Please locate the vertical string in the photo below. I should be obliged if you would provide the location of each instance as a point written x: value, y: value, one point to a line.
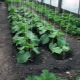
x: 41, y: 14
x: 50, y: 6
x: 11, y: 3
x: 67, y: 26
x: 31, y: 23
x: 62, y: 15
x: 35, y: 4
x: 79, y: 9
x: 54, y: 15
x: 20, y: 3
x: 45, y: 11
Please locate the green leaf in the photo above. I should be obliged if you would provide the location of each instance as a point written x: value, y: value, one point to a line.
x: 30, y: 78
x: 66, y: 48
x: 42, y: 31
x: 63, y: 44
x: 39, y: 24
x: 15, y: 29
x: 46, y: 75
x: 41, y: 28
x: 61, y: 41
x: 30, y: 35
x: 78, y: 78
x: 21, y: 48
x: 38, y: 78
x: 57, y: 50
x: 23, y: 56
x: 53, y: 34
x: 51, y: 45
x: 49, y: 27
x: 35, y: 42
x: 36, y: 50
x: 19, y: 40
x: 60, y: 33
x: 30, y: 45
x: 34, y: 39
x: 44, y: 38
x: 78, y: 30
x: 54, y: 48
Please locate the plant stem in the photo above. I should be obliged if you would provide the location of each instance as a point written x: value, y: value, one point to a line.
x: 63, y: 55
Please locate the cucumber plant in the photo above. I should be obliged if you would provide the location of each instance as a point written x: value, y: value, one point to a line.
x: 30, y: 31
x: 68, y: 22
x: 24, y: 38
x: 16, y: 1
x: 45, y: 75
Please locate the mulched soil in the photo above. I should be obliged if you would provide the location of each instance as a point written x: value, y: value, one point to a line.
x: 10, y: 70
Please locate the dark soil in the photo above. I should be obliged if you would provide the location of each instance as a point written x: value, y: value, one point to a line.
x: 10, y: 70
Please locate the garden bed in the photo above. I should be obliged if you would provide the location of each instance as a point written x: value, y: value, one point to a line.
x: 10, y: 70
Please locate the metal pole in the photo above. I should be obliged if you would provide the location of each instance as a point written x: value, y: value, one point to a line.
x: 59, y: 6
x: 50, y: 2
x: 79, y: 9
x: 41, y: 1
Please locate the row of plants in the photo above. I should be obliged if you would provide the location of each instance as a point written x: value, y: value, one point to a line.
x: 12, y: 1
x: 25, y: 39
x: 68, y: 22
x: 30, y: 32
x: 46, y: 75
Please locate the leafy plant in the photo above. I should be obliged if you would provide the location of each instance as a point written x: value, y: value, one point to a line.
x: 68, y: 22
x: 23, y: 23
x: 24, y: 38
x: 16, y: 1
x: 46, y: 75
x: 78, y: 78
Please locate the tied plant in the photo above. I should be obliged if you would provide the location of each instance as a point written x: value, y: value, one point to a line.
x: 68, y: 22
x: 30, y: 31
